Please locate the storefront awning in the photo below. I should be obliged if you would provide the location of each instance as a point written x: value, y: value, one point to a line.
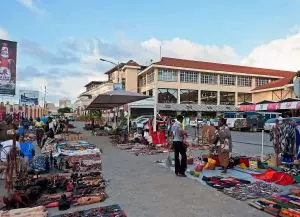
x: 282, y: 105
x: 116, y: 98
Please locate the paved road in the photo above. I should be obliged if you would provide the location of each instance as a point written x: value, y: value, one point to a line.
x: 246, y: 143
x: 143, y: 188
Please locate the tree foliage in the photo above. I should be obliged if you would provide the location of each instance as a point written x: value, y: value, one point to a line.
x: 64, y: 110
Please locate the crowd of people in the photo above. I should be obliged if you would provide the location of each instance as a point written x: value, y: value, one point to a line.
x: 45, y: 127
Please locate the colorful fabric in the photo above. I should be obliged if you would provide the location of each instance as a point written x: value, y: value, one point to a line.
x: 274, y: 176
x: 40, y: 163
x: 27, y: 149
x: 107, y: 211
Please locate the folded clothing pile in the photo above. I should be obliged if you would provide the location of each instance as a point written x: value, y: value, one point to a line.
x: 39, y: 211
x: 220, y: 182
x: 251, y: 191
x: 279, y: 178
x: 107, y: 211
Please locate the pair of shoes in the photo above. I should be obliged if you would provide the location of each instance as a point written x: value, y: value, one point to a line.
x: 224, y: 171
x: 181, y: 175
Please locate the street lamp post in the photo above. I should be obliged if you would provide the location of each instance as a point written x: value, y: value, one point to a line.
x: 118, y: 68
x: 116, y: 64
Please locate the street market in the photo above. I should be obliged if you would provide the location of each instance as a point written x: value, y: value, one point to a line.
x: 124, y: 109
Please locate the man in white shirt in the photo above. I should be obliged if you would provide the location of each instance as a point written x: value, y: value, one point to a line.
x: 179, y: 147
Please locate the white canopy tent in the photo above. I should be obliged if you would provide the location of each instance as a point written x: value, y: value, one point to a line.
x: 145, y: 103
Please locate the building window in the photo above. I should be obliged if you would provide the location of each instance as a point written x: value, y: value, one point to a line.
x: 209, y: 97
x: 150, y: 77
x: 123, y: 83
x: 227, y: 80
x: 189, y: 77
x: 227, y: 98
x: 188, y: 96
x: 150, y: 92
x: 244, y: 97
x: 207, y: 78
x: 166, y: 95
x: 244, y: 81
x: 142, y: 81
x: 167, y: 75
x: 261, y: 81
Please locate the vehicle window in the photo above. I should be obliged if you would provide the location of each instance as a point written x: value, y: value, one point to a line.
x: 271, y: 121
x: 273, y: 116
x: 267, y: 116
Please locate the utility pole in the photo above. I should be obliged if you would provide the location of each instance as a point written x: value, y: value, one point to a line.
x: 45, y: 96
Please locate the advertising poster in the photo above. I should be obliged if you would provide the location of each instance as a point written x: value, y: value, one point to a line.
x: 297, y: 87
x: 29, y: 97
x: 118, y: 86
x: 8, y: 60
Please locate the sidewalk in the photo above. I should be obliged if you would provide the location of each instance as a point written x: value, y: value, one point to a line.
x: 143, y: 188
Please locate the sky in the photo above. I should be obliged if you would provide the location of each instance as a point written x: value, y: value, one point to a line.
x: 60, y: 41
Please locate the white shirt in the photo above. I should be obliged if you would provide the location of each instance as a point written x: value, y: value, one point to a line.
x: 6, y: 146
x: 51, y: 125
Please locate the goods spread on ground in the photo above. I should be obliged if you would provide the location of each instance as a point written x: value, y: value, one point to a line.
x: 106, y: 211
x: 67, y: 173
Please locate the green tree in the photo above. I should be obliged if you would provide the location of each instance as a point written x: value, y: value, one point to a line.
x: 64, y: 110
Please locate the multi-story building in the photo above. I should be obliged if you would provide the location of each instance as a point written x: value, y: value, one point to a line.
x: 196, y: 86
x: 93, y: 89
x: 126, y: 74
x: 64, y: 103
x: 51, y: 108
x: 123, y: 73
x: 281, y: 89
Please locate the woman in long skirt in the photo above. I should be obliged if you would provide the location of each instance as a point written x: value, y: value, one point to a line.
x: 39, y: 131
x: 224, y: 144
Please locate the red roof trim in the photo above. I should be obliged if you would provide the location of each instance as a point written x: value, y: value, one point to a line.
x: 132, y: 63
x: 167, y: 61
x: 274, y: 84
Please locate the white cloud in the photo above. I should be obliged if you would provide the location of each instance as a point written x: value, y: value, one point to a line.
x: 31, y: 5
x: 186, y: 49
x: 3, y: 34
x: 278, y: 54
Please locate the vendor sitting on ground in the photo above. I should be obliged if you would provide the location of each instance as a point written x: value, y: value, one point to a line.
x: 223, y: 142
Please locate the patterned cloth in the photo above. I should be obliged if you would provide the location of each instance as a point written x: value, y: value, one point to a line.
x: 283, y: 138
x: 40, y: 163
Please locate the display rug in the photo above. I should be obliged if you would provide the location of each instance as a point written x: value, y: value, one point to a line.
x: 244, y: 175
x: 106, y: 211
x: 279, y: 205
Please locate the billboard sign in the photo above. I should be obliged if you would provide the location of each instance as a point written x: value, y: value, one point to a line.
x: 8, y: 60
x: 297, y: 86
x: 118, y: 86
x: 29, y: 97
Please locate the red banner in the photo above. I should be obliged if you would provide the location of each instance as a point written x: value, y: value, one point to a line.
x: 247, y: 108
x: 8, y: 60
x: 273, y: 106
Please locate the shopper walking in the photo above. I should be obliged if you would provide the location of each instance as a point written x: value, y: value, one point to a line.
x: 39, y: 125
x: 179, y: 147
x: 93, y: 125
x: 224, y: 144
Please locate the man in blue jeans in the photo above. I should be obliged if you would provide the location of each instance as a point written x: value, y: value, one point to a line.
x: 179, y: 147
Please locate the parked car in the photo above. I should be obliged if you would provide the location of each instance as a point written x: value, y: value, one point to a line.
x: 252, y: 123
x: 141, y: 122
x: 214, y: 122
x: 231, y: 122
x: 270, y: 124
